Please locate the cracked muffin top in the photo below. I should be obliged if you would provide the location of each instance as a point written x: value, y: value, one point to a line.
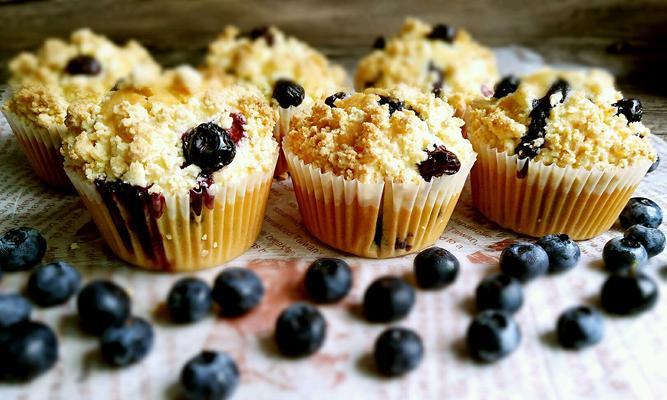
x: 567, y: 118
x: 170, y: 137
x: 437, y: 59
x: 265, y: 55
x: 401, y: 135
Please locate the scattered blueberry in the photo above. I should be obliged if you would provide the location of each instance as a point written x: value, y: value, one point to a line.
x: 328, y: 280
x: 102, y: 304
x: 507, y: 85
x: 439, y: 161
x: 398, y: 351
x: 380, y: 43
x: 53, y: 284
x: 524, y: 261
x: 492, y: 335
x: 579, y: 327
x: 499, y: 292
x: 21, y: 249
x: 631, y: 108
x: 435, y: 268
x: 442, y: 32
x: 652, y: 239
x: 208, y: 146
x: 300, y: 330
x: 288, y: 93
x: 126, y: 343
x: 563, y: 252
x: 331, y: 100
x: 388, y: 299
x: 621, y: 253
x: 189, y: 300
x: 654, y: 166
x: 642, y: 211
x: 14, y: 308
x: 237, y: 291
x: 27, y: 349
x: 83, y: 65
x: 210, y: 376
x: 628, y: 293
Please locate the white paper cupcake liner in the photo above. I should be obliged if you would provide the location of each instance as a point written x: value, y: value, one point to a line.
x: 535, y: 199
x: 180, y: 233
x: 375, y: 220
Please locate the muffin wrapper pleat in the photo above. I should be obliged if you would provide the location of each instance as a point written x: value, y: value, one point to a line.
x: 537, y: 199
x: 42, y: 149
x: 188, y: 234
x: 375, y: 220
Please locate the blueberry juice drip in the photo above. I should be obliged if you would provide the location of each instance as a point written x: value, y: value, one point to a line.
x: 140, y: 212
x: 200, y: 196
x: 533, y: 140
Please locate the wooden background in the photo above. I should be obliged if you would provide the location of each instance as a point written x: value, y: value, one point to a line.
x: 628, y: 37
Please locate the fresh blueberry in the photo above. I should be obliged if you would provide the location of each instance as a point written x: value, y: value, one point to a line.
x: 14, y: 308
x: 288, y: 93
x: 492, y: 335
x: 442, y: 32
x: 21, y: 249
x: 328, y: 280
x: 83, y: 65
x: 387, y: 299
x: 102, y: 304
x: 652, y: 239
x: 27, y: 349
x: 621, y: 253
x: 398, y: 351
x: 126, y: 343
x: 524, y: 261
x: 563, y: 252
x: 53, y: 284
x: 579, y: 327
x: 331, y: 100
x: 208, y: 146
x: 642, y: 211
x: 499, y: 292
x: 654, y: 166
x: 189, y: 300
x: 300, y: 330
x: 237, y: 291
x: 210, y: 376
x: 435, y: 268
x: 507, y: 85
x: 628, y: 293
x: 631, y: 108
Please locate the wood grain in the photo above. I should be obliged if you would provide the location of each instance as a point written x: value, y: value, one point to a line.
x: 627, y: 37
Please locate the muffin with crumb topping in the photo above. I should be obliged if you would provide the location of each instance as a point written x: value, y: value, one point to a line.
x: 378, y: 173
x: 44, y: 83
x: 176, y: 174
x: 559, y: 152
x: 438, y: 59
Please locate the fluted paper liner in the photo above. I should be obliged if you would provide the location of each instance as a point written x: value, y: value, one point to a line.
x: 42, y: 148
x: 375, y: 220
x: 190, y: 241
x: 281, y: 129
x: 535, y: 199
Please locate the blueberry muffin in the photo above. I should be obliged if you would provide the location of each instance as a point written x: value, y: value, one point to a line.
x: 175, y: 175
x: 437, y: 59
x: 559, y: 152
x: 378, y: 173
x: 44, y: 83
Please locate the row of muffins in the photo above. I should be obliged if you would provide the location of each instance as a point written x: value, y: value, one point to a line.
x: 175, y: 166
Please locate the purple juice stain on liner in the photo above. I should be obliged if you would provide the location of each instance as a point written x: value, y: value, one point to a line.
x: 200, y: 196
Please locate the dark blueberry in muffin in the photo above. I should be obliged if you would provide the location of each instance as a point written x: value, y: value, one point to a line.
x: 393, y: 104
x: 442, y: 32
x: 288, y: 93
x: 643, y: 211
x: 579, y: 327
x: 507, y: 85
x: 380, y: 43
x: 629, y: 293
x: 237, y: 132
x: 53, y: 284
x: 331, y: 100
x: 300, y: 330
x: 262, y: 32
x: 27, y: 349
x: 209, y: 147
x: 398, y: 351
x: 210, y: 375
x: 630, y: 108
x: 127, y: 343
x: 21, y: 249
x: 83, y: 65
x: 439, y: 161
x: 652, y: 239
